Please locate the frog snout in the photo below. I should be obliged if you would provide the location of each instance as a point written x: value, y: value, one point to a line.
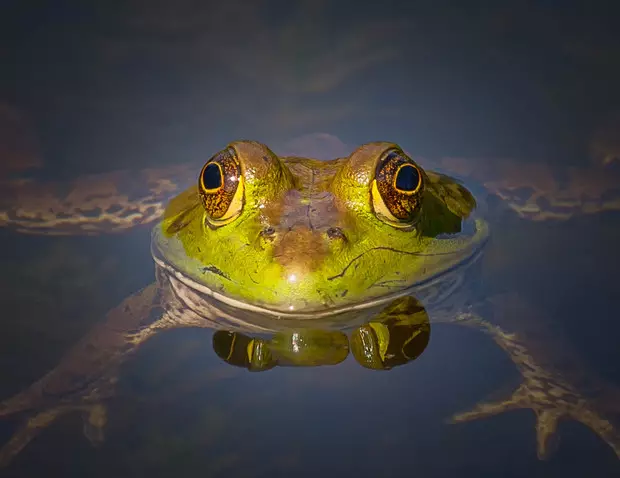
x: 301, y: 247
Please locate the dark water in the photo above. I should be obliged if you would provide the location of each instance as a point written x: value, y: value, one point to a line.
x: 137, y: 84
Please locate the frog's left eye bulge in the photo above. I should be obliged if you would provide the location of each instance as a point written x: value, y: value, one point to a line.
x: 397, y: 189
x: 221, y: 188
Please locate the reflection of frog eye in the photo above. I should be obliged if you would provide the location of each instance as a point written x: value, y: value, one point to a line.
x: 397, y: 189
x: 221, y: 188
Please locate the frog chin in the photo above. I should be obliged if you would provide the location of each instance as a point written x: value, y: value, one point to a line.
x: 287, y: 309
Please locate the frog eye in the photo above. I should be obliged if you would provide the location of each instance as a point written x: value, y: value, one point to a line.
x: 397, y: 189
x: 221, y: 188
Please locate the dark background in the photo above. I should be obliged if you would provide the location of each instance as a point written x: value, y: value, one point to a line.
x: 150, y: 81
x: 89, y: 86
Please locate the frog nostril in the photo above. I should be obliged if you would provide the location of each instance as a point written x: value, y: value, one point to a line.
x: 269, y: 231
x: 335, y: 233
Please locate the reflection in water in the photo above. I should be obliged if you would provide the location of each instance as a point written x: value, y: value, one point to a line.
x: 309, y: 348
x: 398, y: 335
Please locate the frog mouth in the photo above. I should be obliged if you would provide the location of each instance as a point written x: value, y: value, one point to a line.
x: 459, y: 258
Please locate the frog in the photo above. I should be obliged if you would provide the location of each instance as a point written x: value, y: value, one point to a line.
x: 296, y: 261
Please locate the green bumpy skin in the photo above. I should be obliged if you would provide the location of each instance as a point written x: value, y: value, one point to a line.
x: 309, y: 235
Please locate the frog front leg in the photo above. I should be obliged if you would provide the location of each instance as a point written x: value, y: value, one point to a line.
x: 555, y: 385
x: 87, y: 374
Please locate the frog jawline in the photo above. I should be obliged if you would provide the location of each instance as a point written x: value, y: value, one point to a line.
x: 414, y: 289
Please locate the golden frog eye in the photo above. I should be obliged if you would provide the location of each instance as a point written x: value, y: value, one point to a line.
x: 221, y: 188
x: 397, y: 189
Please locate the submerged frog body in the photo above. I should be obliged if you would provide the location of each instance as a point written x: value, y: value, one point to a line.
x: 304, y: 250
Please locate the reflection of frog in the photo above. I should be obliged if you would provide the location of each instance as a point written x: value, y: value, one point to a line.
x: 395, y: 336
x: 265, y: 244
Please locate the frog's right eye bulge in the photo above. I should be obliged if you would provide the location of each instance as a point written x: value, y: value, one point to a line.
x: 221, y: 188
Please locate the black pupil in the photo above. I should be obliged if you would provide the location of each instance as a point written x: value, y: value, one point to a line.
x: 212, y: 176
x: 407, y: 178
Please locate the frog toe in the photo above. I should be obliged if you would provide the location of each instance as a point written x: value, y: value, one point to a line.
x: 547, y: 438
x: 486, y: 409
x: 95, y: 419
x: 546, y: 422
x: 26, y: 432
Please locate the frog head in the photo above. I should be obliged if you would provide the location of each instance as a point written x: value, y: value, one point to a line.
x: 297, y: 235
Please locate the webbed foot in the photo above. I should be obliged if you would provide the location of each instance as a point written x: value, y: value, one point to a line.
x: 554, y: 384
x: 551, y: 402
